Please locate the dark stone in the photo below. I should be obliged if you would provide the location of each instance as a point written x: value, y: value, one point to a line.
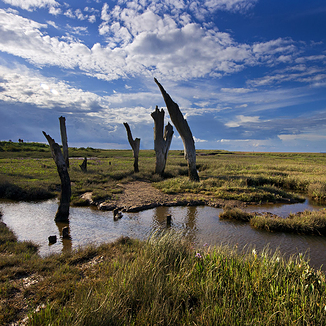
x: 106, y: 207
x: 52, y: 239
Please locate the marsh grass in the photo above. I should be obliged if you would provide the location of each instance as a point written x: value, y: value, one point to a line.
x: 163, y: 280
x: 248, y: 177
x: 235, y: 214
x: 307, y: 222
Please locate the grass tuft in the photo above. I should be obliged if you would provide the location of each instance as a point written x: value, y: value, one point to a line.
x: 307, y: 222
x: 235, y: 214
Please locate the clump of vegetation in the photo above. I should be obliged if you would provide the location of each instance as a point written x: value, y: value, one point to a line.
x: 307, y: 222
x: 163, y: 280
x: 235, y: 214
x: 317, y: 190
x: 227, y: 188
x: 15, y: 192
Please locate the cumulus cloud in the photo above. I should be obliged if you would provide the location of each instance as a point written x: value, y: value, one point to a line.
x: 21, y: 85
x: 140, y: 42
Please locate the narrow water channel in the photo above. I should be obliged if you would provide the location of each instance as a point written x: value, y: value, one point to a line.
x: 35, y: 221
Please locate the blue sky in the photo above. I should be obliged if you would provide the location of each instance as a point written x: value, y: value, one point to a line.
x: 249, y: 75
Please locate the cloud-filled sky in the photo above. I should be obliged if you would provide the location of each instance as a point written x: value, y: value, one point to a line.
x: 249, y: 75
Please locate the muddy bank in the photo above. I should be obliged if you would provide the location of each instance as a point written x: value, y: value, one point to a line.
x: 140, y: 195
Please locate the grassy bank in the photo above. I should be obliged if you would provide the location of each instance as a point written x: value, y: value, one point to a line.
x: 27, y: 171
x: 307, y: 222
x: 160, y: 281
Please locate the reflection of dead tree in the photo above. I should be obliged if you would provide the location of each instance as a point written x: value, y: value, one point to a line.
x: 135, y: 144
x: 64, y: 140
x: 63, y: 209
x: 161, y: 142
x: 183, y: 128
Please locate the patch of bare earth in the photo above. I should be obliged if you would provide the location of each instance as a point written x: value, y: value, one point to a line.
x: 141, y: 195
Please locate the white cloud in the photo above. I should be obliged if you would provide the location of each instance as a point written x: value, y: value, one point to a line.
x: 197, y: 140
x: 92, y: 19
x: 54, y: 11
x: 21, y: 85
x: 104, y: 13
x: 52, y: 23
x: 320, y: 57
x: 242, y: 120
x: 311, y: 137
x: 69, y: 13
x: 146, y: 42
x: 32, y: 4
x: 237, y: 90
x: 300, y: 73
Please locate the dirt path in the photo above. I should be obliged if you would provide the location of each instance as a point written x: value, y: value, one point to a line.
x: 141, y: 195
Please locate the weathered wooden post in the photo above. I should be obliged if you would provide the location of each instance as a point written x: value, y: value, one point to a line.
x: 64, y: 140
x: 161, y: 142
x: 63, y: 209
x: 135, y: 144
x: 182, y: 126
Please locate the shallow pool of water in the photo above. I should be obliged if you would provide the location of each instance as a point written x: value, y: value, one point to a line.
x: 35, y: 221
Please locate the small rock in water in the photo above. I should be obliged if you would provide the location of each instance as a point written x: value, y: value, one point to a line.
x: 116, y: 214
x: 52, y: 239
x: 106, y: 207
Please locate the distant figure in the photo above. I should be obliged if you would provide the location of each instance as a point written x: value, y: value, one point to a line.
x: 20, y: 140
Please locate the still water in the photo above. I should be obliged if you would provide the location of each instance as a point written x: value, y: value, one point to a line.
x: 35, y: 221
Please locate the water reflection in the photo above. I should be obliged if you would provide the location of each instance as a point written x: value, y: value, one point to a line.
x: 35, y: 221
x: 66, y: 240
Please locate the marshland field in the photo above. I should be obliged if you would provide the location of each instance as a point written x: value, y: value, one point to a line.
x: 164, y: 280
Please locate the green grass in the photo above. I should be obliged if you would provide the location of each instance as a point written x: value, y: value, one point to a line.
x: 307, y: 222
x: 248, y: 177
x: 235, y: 214
x: 161, y: 281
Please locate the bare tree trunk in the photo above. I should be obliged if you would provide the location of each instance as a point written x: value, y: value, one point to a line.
x: 63, y: 209
x: 135, y: 144
x: 161, y: 142
x: 183, y: 128
x: 64, y: 140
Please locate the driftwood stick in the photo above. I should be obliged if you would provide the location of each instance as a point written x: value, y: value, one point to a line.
x: 64, y: 140
x: 63, y: 209
x: 183, y: 128
x: 135, y: 144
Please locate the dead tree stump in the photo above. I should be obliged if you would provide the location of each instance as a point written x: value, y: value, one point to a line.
x: 83, y: 166
x: 64, y: 140
x: 161, y: 142
x: 63, y: 209
x: 135, y: 144
x: 182, y: 126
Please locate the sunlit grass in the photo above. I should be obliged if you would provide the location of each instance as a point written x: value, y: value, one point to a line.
x: 248, y: 177
x: 307, y: 222
x: 166, y: 281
